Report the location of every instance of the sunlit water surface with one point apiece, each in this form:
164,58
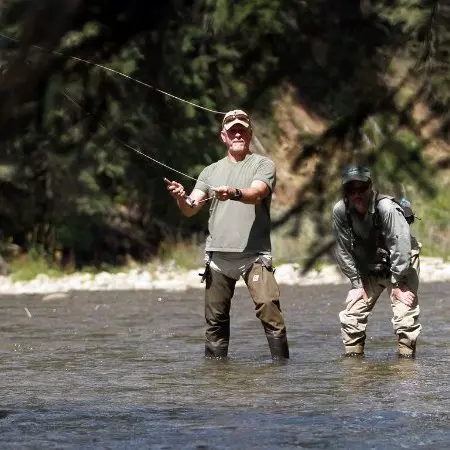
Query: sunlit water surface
126,370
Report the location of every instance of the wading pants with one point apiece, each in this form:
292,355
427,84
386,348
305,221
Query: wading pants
405,319
265,293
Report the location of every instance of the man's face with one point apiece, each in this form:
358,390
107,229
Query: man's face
358,194
237,138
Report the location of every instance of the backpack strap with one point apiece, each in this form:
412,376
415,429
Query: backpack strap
376,220
349,222
376,212
406,211
382,265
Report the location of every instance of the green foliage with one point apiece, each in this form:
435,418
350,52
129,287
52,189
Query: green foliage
69,183
184,253
431,228
400,160
288,247
35,262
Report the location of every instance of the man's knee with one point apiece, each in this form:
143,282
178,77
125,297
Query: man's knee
272,318
405,317
348,319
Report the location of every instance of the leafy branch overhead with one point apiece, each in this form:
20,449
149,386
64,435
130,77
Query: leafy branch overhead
375,73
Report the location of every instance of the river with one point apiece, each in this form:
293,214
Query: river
117,370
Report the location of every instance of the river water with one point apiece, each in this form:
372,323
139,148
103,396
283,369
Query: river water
121,370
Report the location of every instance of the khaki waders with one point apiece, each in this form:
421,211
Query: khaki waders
405,319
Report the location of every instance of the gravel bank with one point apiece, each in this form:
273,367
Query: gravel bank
172,279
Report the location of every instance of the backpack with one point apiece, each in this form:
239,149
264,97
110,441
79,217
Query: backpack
404,204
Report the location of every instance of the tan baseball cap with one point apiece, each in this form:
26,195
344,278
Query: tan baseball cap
236,116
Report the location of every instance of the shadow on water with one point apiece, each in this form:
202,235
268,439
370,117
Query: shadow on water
125,370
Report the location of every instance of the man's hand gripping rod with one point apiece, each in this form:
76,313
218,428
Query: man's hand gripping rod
187,199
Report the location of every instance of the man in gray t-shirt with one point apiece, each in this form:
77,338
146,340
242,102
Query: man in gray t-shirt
240,187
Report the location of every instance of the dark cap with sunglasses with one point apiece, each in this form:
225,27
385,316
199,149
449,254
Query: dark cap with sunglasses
236,116
355,173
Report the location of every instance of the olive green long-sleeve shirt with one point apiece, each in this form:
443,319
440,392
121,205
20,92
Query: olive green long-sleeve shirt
395,232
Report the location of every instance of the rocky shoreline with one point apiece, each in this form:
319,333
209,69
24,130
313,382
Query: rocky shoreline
171,278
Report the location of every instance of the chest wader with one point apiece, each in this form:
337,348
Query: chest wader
219,291
405,318
380,262
265,294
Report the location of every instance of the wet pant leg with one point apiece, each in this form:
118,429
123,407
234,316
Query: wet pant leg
405,319
265,293
218,294
354,320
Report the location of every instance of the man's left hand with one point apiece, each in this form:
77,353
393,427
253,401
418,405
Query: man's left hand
404,295
224,192
354,295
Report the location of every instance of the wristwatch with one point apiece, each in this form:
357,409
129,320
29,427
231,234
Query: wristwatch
237,194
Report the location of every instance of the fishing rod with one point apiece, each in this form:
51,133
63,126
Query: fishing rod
117,72
187,199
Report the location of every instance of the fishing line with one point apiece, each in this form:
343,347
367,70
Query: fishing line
139,152
149,86
109,69
101,66
116,72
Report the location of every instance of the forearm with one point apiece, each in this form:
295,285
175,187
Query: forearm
251,196
186,210
348,268
400,263
398,241
189,205
343,252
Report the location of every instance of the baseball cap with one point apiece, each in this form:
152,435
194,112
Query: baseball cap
236,116
355,173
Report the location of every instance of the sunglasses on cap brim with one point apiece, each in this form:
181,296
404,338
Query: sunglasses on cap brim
232,117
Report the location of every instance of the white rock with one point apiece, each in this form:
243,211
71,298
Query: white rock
172,278
55,296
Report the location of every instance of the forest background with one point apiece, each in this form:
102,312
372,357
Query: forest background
327,83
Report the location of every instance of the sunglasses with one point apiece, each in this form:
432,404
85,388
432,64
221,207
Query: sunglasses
232,117
349,190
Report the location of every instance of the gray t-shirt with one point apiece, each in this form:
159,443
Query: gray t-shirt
235,226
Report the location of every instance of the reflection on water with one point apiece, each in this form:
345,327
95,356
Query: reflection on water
124,370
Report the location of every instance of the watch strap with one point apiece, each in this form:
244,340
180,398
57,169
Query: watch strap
237,194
